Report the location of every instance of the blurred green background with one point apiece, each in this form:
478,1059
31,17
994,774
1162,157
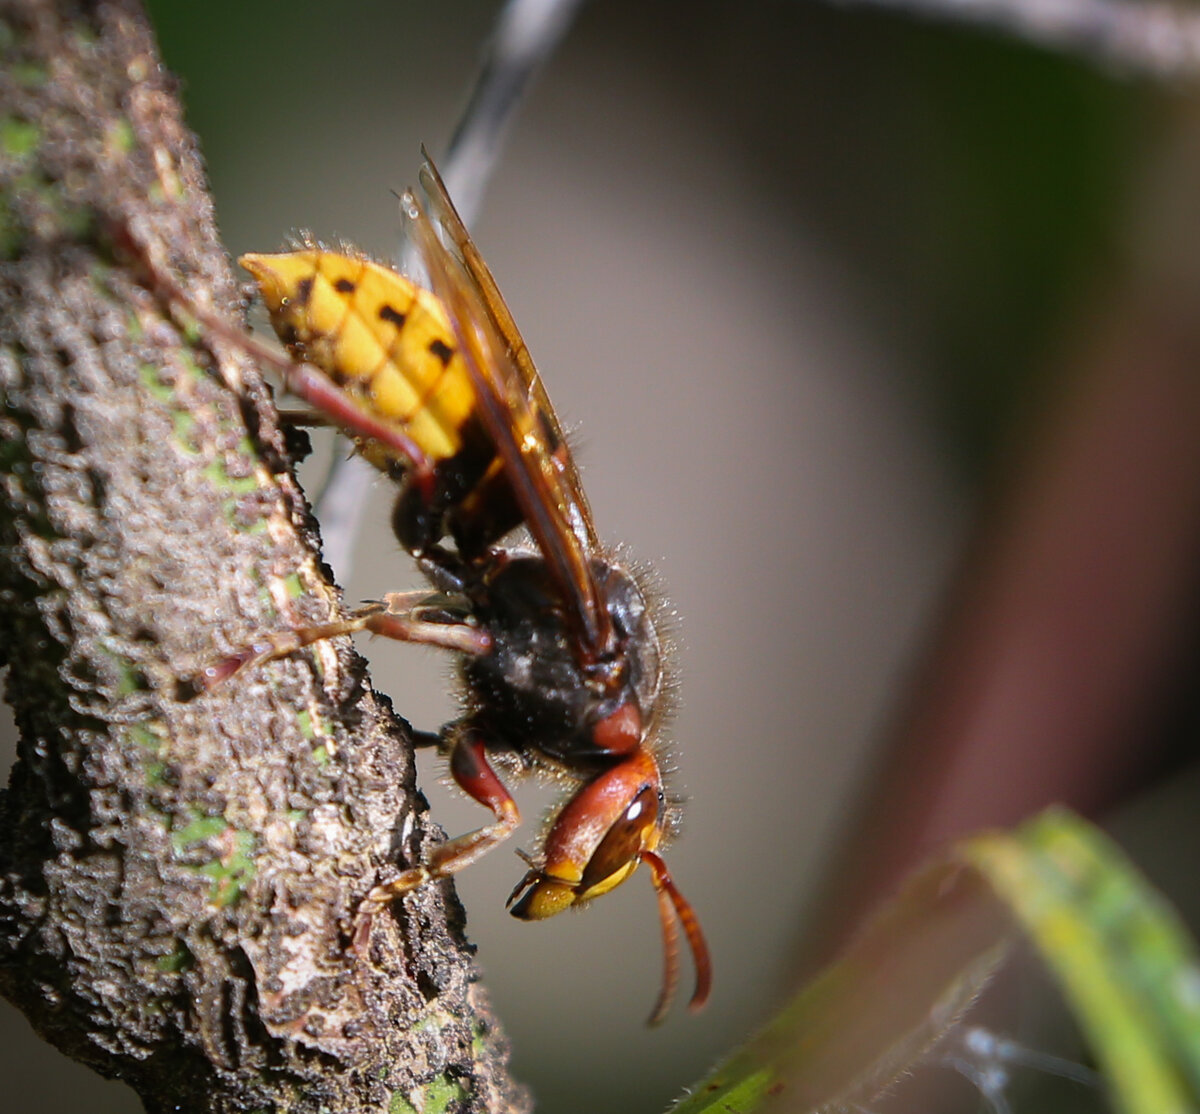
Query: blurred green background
794,271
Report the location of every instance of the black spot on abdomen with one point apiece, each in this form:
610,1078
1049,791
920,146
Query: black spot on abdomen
442,351
390,313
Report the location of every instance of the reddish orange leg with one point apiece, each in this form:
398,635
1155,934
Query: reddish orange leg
303,380
470,769
671,905
325,396
397,615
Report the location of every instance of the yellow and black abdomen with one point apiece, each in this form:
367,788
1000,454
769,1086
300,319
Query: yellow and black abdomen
388,345
383,340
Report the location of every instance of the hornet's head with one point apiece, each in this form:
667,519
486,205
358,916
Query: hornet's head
597,840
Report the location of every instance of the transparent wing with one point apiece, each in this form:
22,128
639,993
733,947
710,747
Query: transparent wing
489,299
515,410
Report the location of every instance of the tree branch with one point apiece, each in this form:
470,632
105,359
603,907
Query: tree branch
179,874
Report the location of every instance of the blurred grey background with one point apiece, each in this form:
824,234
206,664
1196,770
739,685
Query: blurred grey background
789,270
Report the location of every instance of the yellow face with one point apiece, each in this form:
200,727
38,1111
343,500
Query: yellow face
591,850
549,895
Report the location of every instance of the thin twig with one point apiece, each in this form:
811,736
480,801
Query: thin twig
527,33
1153,39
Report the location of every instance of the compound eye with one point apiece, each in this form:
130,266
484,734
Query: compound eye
636,830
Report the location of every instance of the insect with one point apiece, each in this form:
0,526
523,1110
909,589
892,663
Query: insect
560,656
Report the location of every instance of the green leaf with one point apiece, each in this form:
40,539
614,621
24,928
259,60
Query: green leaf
1125,962
851,1034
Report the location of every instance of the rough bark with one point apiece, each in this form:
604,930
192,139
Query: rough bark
179,873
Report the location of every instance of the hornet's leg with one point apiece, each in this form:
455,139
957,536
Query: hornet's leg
470,769
398,615
303,380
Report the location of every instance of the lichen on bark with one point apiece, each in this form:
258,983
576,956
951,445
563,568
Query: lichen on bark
180,873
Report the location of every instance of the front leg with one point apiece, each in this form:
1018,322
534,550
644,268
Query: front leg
470,768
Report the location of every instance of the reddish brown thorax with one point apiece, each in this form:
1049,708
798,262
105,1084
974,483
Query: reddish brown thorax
620,731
